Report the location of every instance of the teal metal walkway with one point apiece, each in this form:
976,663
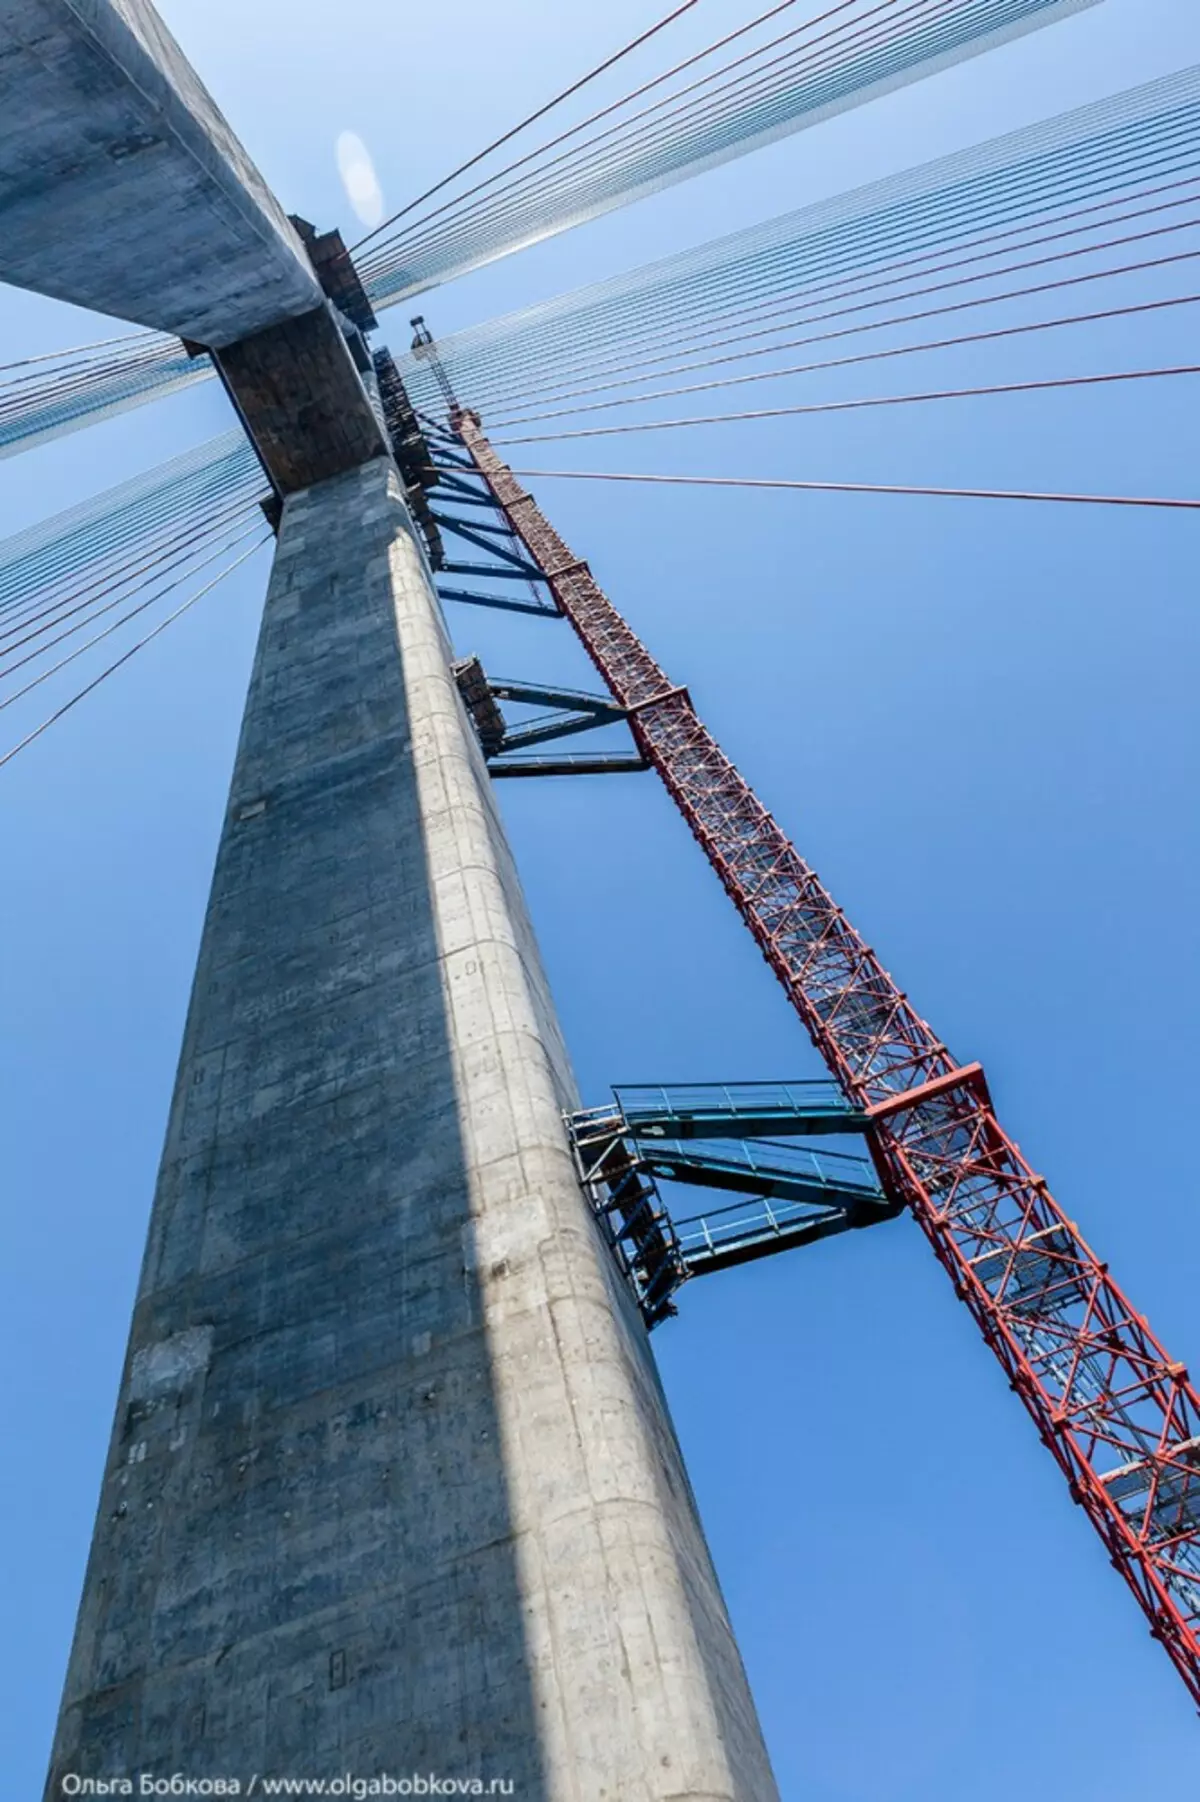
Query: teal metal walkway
741,1139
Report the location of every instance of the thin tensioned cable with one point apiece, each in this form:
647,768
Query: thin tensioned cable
131,652
83,534
804,298
229,449
80,650
586,151
1113,144
102,570
853,406
531,338
875,356
971,26
959,306
178,553
556,191
630,371
83,558
714,110
976,494
532,118
58,392
390,251
66,547
51,356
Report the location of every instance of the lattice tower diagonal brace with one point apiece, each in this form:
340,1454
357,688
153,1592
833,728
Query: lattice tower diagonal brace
1118,1415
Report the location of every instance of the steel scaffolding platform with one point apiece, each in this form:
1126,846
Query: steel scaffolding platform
737,1138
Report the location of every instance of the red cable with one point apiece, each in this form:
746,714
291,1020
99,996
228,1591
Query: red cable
634,44
870,356
408,245
803,298
848,406
977,494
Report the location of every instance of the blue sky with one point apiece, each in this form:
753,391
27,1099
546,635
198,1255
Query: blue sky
977,722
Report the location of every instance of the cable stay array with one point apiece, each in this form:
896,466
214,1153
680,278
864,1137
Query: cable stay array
43,397
105,577
1099,195
1103,193
690,118
856,406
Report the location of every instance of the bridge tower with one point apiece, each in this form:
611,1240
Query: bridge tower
392,1485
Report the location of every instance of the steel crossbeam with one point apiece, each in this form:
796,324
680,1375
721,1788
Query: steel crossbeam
1117,1413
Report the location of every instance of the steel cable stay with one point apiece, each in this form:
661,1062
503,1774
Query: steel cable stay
873,356
464,252
413,239
229,448
531,188
547,390
44,551
593,118
1170,504
40,609
964,35
547,373
160,587
1147,130
145,351
531,119
89,687
69,368
53,408
741,31
1140,132
630,378
43,609
1128,122
73,386
69,621
676,325
403,243
67,374
79,350
123,551
851,406
63,536
62,539
178,551
851,331
89,601
151,363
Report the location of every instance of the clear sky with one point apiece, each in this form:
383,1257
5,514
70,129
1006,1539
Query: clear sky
977,722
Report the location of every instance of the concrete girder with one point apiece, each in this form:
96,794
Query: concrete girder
122,187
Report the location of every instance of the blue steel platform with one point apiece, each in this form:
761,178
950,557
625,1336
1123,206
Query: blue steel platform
740,1138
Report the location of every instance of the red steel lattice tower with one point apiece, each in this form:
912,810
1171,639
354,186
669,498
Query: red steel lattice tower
1119,1416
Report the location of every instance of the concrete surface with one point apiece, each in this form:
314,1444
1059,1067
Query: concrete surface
123,188
392,1484
302,400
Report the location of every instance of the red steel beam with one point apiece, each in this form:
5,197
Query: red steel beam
1118,1415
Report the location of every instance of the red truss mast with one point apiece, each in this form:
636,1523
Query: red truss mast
1117,1413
